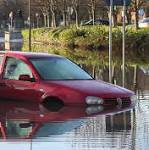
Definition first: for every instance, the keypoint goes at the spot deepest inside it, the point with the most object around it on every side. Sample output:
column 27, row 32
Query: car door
column 19, row 89
column 3, row 90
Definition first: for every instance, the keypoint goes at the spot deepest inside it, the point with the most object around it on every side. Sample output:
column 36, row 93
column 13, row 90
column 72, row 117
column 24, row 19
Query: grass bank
column 93, row 38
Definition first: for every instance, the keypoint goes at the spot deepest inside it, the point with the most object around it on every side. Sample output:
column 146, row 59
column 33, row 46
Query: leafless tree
column 146, row 9
column 45, row 12
column 75, row 5
column 49, row 8
column 64, row 11
column 136, row 5
column 42, row 6
column 92, row 5
column 53, row 4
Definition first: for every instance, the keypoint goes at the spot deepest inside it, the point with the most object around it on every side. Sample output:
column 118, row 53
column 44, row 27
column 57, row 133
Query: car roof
column 28, row 54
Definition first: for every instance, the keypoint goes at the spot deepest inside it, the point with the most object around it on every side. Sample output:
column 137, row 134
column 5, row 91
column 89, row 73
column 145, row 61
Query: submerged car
column 53, row 79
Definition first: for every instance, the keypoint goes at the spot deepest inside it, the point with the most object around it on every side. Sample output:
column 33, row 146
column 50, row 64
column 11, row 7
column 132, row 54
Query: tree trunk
column 136, row 15
column 146, row 12
column 93, row 15
column 114, row 19
column 77, row 18
column 48, row 20
column 128, row 16
column 136, row 19
column 114, row 16
column 64, row 18
column 64, row 13
column 53, row 20
column 45, row 20
column 93, row 6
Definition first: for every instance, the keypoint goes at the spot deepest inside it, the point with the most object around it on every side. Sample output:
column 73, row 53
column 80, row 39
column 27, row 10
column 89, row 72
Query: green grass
column 95, row 38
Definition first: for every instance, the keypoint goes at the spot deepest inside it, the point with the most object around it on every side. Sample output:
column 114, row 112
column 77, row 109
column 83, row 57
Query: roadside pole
column 11, row 21
column 29, row 21
column 123, row 43
column 112, row 3
column 110, row 41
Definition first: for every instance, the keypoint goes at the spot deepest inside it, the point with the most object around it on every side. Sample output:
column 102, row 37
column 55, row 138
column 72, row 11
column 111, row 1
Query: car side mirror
column 25, row 77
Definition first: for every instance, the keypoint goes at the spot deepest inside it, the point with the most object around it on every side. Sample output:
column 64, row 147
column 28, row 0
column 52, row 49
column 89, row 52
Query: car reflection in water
column 22, row 120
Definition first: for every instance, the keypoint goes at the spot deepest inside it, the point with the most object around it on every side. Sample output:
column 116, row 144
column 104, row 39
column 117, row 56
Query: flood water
column 30, row 127
column 26, row 126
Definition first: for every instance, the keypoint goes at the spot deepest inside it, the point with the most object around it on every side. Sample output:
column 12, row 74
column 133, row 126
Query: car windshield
column 57, row 68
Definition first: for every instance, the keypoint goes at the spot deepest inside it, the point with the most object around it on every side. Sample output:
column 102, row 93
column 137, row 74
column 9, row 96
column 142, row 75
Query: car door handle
column 2, row 84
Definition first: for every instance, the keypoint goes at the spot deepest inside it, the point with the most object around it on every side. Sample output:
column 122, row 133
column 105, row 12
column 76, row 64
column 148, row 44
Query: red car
column 55, row 80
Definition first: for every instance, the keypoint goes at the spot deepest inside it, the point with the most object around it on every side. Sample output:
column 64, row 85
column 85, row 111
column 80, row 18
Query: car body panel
column 78, row 91
column 23, row 90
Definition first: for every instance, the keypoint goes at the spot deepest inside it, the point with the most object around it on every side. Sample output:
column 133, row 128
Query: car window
column 1, row 60
column 58, row 69
column 14, row 68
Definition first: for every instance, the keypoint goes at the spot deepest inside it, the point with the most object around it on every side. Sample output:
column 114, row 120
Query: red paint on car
column 40, row 77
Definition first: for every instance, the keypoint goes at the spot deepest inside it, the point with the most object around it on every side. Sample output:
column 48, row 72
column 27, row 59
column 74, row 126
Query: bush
column 68, row 34
column 92, row 37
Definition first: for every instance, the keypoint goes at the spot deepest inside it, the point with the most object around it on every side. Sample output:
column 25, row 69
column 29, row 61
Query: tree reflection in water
column 24, row 120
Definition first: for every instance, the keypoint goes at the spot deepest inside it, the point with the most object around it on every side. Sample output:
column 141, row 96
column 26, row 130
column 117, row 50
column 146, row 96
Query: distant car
column 55, row 80
column 97, row 22
column 144, row 23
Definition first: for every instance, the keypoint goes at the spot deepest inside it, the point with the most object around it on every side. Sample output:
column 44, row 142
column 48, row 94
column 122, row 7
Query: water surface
column 30, row 127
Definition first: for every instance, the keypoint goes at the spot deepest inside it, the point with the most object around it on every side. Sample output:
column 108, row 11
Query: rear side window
column 1, row 61
column 16, row 67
